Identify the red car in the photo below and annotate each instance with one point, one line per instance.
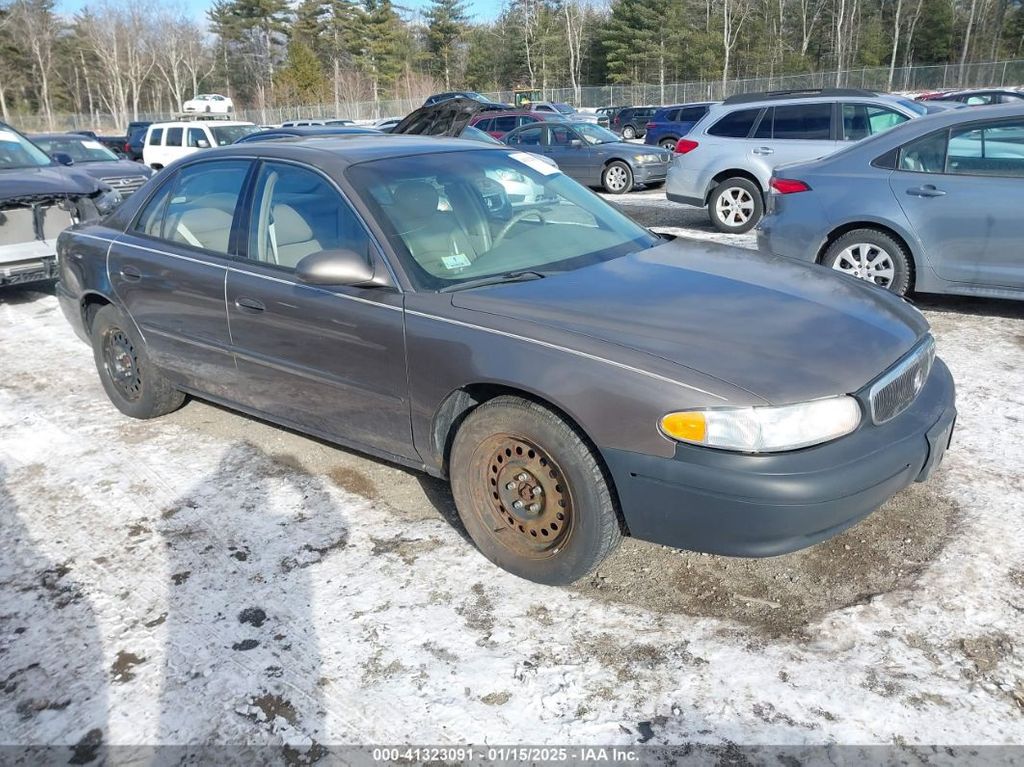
(497, 124)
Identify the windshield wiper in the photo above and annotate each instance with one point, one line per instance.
(495, 279)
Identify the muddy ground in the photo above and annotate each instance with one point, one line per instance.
(207, 577)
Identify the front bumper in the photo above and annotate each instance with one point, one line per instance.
(652, 173)
(763, 505)
(27, 262)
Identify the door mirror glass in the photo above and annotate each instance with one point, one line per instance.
(203, 144)
(575, 143)
(335, 267)
(62, 158)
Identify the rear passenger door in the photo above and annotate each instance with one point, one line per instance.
(330, 360)
(793, 133)
(168, 271)
(962, 191)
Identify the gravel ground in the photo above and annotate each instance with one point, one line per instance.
(209, 578)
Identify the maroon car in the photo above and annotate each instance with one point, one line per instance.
(498, 124)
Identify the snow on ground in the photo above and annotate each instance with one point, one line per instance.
(209, 578)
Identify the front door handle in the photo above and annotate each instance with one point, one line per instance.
(249, 305)
(928, 190)
(764, 150)
(130, 273)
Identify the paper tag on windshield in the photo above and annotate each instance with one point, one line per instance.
(458, 261)
(6, 135)
(535, 163)
(92, 144)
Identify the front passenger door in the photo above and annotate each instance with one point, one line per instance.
(326, 359)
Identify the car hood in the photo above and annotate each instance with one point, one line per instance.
(112, 169)
(47, 181)
(445, 118)
(783, 330)
(635, 150)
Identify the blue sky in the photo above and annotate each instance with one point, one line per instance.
(479, 10)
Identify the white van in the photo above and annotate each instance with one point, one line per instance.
(166, 142)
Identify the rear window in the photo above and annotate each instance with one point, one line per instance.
(173, 137)
(735, 124)
(811, 122)
(156, 136)
(690, 114)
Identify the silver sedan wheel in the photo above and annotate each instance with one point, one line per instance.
(868, 262)
(735, 206)
(617, 178)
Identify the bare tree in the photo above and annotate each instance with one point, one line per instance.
(967, 40)
(734, 14)
(575, 13)
(895, 39)
(36, 27)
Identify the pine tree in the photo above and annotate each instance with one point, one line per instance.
(447, 21)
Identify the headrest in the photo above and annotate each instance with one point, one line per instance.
(289, 226)
(417, 199)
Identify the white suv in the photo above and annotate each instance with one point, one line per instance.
(726, 160)
(166, 142)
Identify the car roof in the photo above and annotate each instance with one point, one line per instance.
(190, 123)
(79, 136)
(342, 151)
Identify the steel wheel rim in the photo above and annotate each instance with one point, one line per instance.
(628, 132)
(866, 261)
(528, 504)
(121, 363)
(616, 177)
(735, 206)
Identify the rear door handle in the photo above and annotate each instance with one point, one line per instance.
(249, 305)
(130, 273)
(928, 190)
(764, 150)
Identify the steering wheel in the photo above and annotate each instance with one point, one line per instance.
(516, 218)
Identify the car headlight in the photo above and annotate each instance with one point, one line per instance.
(765, 429)
(107, 200)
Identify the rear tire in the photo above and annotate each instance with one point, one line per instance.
(629, 132)
(735, 205)
(512, 451)
(668, 143)
(617, 178)
(133, 384)
(871, 255)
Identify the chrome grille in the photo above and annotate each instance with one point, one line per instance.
(126, 185)
(893, 393)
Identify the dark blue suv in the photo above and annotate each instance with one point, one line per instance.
(669, 124)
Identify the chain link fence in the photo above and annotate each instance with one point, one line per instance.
(909, 79)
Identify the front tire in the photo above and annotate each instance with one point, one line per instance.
(133, 384)
(617, 178)
(531, 492)
(735, 205)
(871, 255)
(629, 132)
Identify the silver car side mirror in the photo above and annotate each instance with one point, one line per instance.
(340, 266)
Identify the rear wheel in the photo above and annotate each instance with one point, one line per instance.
(871, 255)
(736, 205)
(668, 143)
(629, 132)
(130, 380)
(531, 492)
(617, 177)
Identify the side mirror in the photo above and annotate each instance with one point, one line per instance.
(203, 143)
(62, 158)
(337, 267)
(575, 143)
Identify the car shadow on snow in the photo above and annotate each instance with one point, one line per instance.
(981, 307)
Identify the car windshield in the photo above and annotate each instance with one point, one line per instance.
(81, 150)
(564, 109)
(595, 134)
(229, 134)
(914, 106)
(490, 213)
(18, 152)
